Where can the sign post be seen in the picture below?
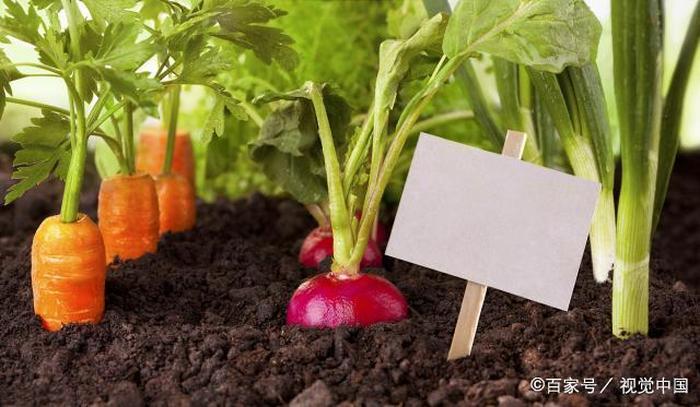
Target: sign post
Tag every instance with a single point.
(495, 221)
(474, 294)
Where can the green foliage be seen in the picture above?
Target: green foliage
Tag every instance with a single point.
(111, 11)
(45, 151)
(20, 24)
(673, 112)
(396, 56)
(545, 34)
(336, 42)
(288, 147)
(120, 49)
(406, 18)
(241, 24)
(97, 56)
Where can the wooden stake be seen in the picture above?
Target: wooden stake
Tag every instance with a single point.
(474, 294)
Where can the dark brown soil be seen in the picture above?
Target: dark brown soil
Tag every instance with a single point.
(202, 323)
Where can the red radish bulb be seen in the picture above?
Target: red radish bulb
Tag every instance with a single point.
(331, 300)
(318, 246)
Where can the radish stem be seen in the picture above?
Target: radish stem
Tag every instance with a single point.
(358, 151)
(408, 118)
(340, 216)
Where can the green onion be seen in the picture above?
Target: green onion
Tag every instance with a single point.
(673, 110)
(576, 105)
(637, 31)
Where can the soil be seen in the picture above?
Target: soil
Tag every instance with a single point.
(202, 323)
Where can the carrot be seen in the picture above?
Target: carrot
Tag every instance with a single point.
(68, 272)
(176, 203)
(152, 148)
(128, 216)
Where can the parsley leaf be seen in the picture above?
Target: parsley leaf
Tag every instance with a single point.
(23, 25)
(119, 48)
(241, 25)
(109, 11)
(45, 151)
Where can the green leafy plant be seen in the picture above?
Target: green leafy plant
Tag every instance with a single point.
(476, 27)
(96, 60)
(649, 133)
(196, 45)
(543, 103)
(339, 47)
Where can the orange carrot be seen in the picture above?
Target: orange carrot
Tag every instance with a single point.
(151, 153)
(128, 216)
(68, 272)
(176, 203)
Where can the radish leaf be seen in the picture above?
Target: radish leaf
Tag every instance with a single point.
(544, 34)
(288, 147)
(395, 57)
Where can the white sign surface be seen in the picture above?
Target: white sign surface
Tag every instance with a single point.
(494, 220)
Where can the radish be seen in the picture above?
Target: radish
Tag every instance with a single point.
(332, 300)
(318, 246)
(308, 147)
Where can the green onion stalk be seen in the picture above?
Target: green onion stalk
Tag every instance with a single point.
(673, 111)
(637, 31)
(576, 105)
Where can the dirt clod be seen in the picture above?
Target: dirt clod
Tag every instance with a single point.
(316, 395)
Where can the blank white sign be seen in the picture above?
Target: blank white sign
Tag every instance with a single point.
(494, 220)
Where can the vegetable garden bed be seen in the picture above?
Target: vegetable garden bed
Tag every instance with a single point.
(203, 321)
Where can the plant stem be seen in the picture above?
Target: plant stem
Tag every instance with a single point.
(316, 210)
(546, 134)
(673, 112)
(38, 105)
(466, 76)
(340, 217)
(172, 129)
(97, 108)
(115, 148)
(358, 151)
(70, 204)
(47, 68)
(72, 13)
(637, 29)
(94, 125)
(408, 119)
(560, 96)
(441, 119)
(128, 137)
(252, 113)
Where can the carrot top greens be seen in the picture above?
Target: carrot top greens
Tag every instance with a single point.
(101, 58)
